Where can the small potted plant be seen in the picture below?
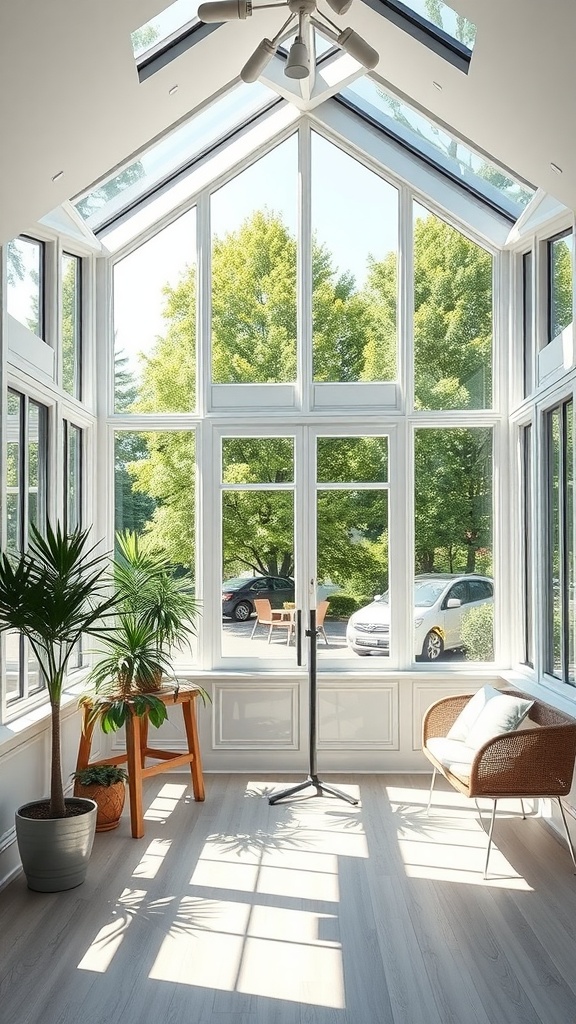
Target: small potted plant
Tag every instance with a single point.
(54, 593)
(106, 785)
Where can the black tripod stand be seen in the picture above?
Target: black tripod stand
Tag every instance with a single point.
(312, 780)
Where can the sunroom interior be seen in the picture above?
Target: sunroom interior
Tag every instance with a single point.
(314, 330)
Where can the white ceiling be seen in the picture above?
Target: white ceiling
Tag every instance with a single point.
(71, 101)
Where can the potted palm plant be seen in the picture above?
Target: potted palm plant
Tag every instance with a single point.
(157, 612)
(53, 593)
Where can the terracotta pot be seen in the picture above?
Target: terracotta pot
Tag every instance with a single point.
(149, 685)
(109, 800)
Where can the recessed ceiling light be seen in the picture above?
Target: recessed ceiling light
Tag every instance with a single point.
(56, 177)
(437, 86)
(172, 90)
(556, 169)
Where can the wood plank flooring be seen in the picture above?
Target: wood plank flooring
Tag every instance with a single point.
(308, 912)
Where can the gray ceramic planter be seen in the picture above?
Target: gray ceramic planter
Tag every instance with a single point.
(55, 851)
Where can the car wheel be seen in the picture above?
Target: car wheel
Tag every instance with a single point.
(363, 654)
(433, 646)
(242, 611)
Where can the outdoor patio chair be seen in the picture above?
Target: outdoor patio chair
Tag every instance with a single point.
(271, 617)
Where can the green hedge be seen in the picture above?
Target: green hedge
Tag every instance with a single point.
(342, 605)
(478, 633)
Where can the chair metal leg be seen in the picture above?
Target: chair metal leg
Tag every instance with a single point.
(431, 788)
(568, 839)
(256, 624)
(522, 806)
(490, 839)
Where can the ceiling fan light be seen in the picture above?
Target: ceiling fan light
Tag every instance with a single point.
(339, 6)
(224, 10)
(358, 48)
(255, 64)
(298, 63)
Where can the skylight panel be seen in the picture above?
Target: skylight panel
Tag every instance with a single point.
(439, 16)
(172, 21)
(438, 147)
(173, 153)
(434, 24)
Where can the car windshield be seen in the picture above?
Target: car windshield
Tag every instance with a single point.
(426, 593)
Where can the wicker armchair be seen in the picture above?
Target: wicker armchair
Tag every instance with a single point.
(534, 761)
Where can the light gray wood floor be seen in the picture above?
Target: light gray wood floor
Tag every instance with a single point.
(238, 912)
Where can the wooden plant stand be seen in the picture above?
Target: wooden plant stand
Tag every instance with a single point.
(137, 750)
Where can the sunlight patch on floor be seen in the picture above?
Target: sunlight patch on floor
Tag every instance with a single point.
(103, 949)
(165, 802)
(152, 859)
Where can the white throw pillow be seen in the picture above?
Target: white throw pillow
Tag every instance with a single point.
(461, 727)
(501, 714)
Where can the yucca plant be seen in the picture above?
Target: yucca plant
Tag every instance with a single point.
(53, 593)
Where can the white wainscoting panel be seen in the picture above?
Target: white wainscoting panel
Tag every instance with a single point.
(425, 694)
(358, 716)
(266, 717)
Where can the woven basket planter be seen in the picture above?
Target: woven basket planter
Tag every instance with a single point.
(110, 802)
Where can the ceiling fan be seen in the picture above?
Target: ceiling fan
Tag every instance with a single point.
(305, 15)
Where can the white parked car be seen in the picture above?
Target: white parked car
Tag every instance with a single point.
(440, 603)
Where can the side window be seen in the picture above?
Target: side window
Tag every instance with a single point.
(560, 275)
(261, 585)
(479, 590)
(460, 591)
(26, 503)
(25, 291)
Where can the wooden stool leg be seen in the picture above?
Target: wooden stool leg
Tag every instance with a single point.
(133, 749)
(144, 723)
(188, 711)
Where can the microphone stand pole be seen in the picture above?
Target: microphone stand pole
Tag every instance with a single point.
(312, 779)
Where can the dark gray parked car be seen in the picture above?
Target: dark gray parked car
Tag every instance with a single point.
(238, 594)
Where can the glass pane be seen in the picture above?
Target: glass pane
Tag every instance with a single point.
(441, 16)
(172, 153)
(74, 477)
(254, 225)
(452, 317)
(352, 544)
(527, 309)
(453, 618)
(555, 552)
(257, 460)
(71, 321)
(569, 586)
(24, 294)
(561, 273)
(154, 497)
(37, 453)
(13, 470)
(436, 144)
(528, 565)
(352, 459)
(354, 268)
(14, 681)
(155, 322)
(173, 20)
(257, 565)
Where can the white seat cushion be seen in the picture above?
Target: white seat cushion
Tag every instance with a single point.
(461, 727)
(453, 755)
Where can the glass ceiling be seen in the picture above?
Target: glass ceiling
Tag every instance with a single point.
(437, 146)
(439, 15)
(103, 203)
(178, 16)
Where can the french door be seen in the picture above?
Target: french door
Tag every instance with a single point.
(304, 525)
